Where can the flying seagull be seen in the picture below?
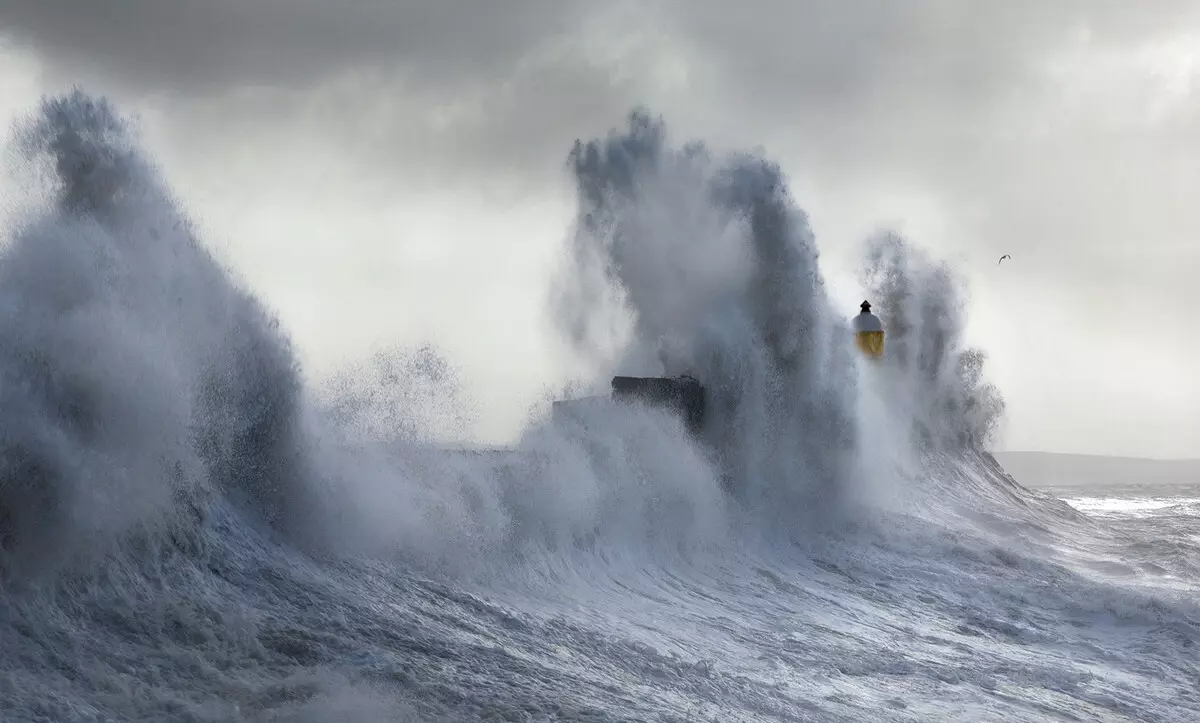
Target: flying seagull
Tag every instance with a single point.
(1005, 256)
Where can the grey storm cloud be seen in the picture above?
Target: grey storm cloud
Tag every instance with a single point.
(940, 51)
(949, 98)
(200, 45)
(476, 84)
(941, 96)
(810, 48)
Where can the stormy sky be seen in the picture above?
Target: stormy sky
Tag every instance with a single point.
(393, 172)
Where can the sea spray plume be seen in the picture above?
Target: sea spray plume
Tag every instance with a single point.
(250, 427)
(922, 307)
(411, 396)
(682, 263)
(615, 477)
(137, 381)
(95, 160)
(406, 496)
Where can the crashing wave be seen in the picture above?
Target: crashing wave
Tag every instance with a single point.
(138, 379)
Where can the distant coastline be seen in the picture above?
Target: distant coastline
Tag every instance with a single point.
(1053, 470)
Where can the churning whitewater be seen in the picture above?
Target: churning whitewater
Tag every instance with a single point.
(189, 532)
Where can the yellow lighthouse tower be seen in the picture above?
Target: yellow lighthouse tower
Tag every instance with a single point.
(868, 333)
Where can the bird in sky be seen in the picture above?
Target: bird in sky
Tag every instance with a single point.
(1005, 256)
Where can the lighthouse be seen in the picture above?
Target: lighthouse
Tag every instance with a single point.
(868, 332)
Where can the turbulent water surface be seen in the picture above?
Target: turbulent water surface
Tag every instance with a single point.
(188, 532)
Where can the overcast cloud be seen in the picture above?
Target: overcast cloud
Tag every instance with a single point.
(356, 159)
